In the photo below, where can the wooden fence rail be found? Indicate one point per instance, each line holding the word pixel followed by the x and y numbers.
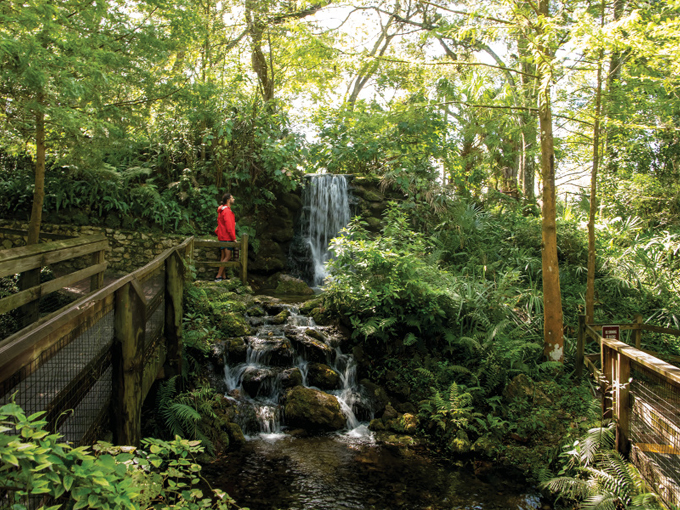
pixel 241 263
pixel 29 260
pixel 125 333
pixel 641 393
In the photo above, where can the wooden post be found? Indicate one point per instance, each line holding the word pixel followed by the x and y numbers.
pixel 580 344
pixel 637 330
pixel 97 280
pixel 128 362
pixel 606 384
pixel 174 294
pixel 622 403
pixel 30 312
pixel 243 259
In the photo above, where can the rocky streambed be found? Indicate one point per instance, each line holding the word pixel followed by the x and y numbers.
pixel 306 420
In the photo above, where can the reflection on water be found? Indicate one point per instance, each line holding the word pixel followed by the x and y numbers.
pixel 351 471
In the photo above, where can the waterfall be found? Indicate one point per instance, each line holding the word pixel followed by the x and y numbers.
pixel 325 213
pixel 259 374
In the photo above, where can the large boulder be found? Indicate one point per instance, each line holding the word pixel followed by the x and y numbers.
pixel 323 377
pixel 258 381
pixel 315 350
pixel 291 286
pixel 274 351
pixel 312 410
pixel 291 377
pixel 235 350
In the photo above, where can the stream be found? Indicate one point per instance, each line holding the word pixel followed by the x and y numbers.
pixel 283 467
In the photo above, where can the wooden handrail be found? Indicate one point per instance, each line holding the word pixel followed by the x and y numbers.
pixel 36 338
pixel 241 263
pixel 25 258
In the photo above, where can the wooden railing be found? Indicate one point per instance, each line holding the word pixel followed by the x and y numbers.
pixel 100 355
pixel 239 258
pixel 29 260
pixel 641 393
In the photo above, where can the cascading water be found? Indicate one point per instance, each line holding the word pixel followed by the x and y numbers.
pixel 260 375
pixel 326 211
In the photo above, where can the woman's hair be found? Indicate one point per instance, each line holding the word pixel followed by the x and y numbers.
pixel 225 198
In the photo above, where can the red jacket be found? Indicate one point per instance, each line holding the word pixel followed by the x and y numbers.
pixel 226 224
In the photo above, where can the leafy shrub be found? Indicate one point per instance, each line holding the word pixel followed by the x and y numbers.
pixel 37 468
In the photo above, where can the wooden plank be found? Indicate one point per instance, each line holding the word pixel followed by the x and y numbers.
pixel 216 244
pixel 623 403
pixel 18 260
pixel 217 264
pixel 659 329
pixel 97 280
pixel 174 306
pixel 42 248
pixel 637 334
pixel 606 384
pixel 660 367
pixel 23 350
pixel 14 266
pixel 128 364
pixel 666 449
pixel 26 296
pixel 244 259
pixel 622 327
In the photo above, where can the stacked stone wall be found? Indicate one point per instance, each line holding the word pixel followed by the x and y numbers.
pixel 128 250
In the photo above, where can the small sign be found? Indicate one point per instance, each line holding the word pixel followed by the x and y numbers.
pixel 611 332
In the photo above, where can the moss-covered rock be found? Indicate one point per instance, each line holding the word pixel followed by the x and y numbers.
pixel 291 377
pixel 233 324
pixel 312 410
pixel 460 443
pixel 279 318
pixel 291 286
pixel 310 304
pixel 323 377
pixel 235 349
pixel 256 311
pixel 235 434
pixel 315 350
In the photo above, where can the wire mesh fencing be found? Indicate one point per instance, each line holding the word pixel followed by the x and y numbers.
pixel 70 381
pixel 655 430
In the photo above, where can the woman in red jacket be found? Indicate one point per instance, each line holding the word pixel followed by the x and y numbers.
pixel 226 231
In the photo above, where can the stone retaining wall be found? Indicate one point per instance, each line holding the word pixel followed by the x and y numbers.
pixel 128 250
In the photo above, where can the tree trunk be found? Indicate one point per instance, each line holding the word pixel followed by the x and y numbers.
pixel 590 281
pixel 39 189
pixel 552 299
pixel 30 311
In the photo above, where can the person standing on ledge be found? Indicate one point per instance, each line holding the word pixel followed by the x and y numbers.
pixel 226 231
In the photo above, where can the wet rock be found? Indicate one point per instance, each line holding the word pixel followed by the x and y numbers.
pixel 408 407
pixel 233 324
pixel 235 350
pixel 291 286
pixel 376 425
pixel 273 307
pixel 279 318
pixel 256 311
pixel 376 396
pixel 274 351
pixel 315 350
pixel 312 410
pixel 316 334
pixel 258 381
pixel 390 413
pixel 309 305
pixel 323 377
pixel 291 377
pixel 235 433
